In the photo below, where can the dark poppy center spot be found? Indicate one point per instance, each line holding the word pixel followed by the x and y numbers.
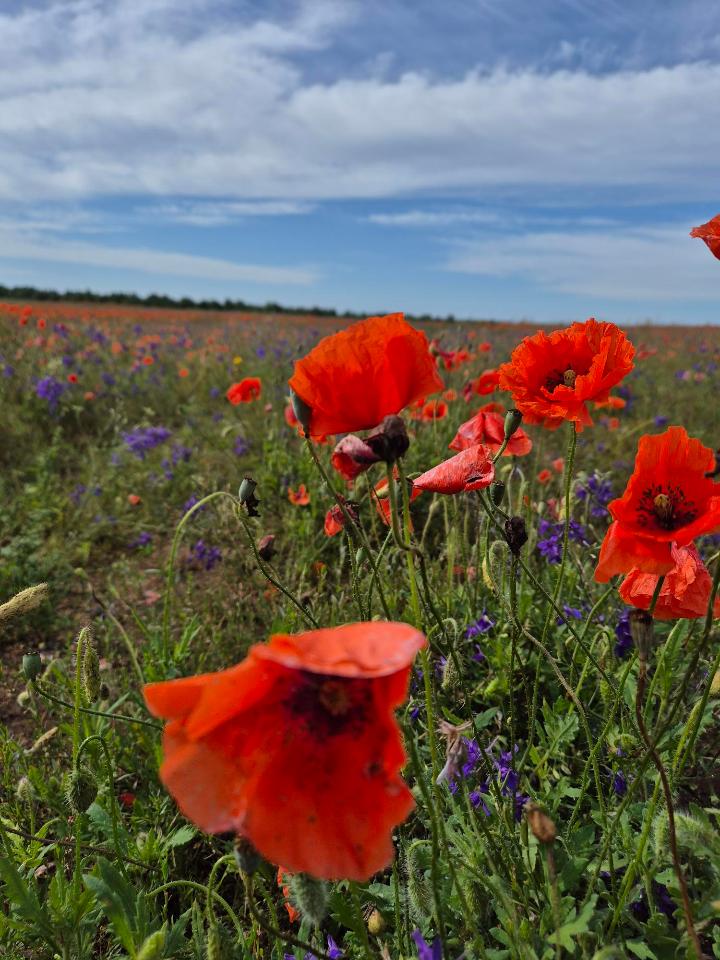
pixel 665 507
pixel 561 378
pixel 328 706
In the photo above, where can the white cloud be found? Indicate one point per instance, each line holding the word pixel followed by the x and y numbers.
pixel 156 262
pixel 211 213
pixel 432 218
pixel 152 97
pixel 647 264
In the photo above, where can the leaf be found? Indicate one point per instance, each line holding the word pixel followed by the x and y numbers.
pixel 181 836
pixel 641 949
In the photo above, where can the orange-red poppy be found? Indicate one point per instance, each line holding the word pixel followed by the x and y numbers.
pixel 472 469
pixel 710 233
pixel 297 747
pixel 282 882
pixel 434 410
pixel 488 427
pixel 487 382
pixel 245 391
pixel 300 497
pixel 558 464
pixel 685 592
pixel 183 372
pixel 353 379
pixel 552 378
pixel 668 499
pixel 544 476
pixel 134 500
pixel 148 360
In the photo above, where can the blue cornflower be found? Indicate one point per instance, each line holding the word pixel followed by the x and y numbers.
pixel 624 642
pixel 427 951
pixel 143 439
pixel 50 389
pixel 482 625
pixel 550 547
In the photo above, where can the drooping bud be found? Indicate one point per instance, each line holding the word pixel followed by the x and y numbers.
pixel 31 665
pixel 497 492
pixel 513 419
pixel 353 456
pixel 375 923
pixel 543 828
pixel 24 601
pixel 89 666
pixel 641 630
pixel 266 547
pixel 302 411
pixel 80 789
pixel 515 534
pixel 310 896
pixel 391 441
pixel 246 856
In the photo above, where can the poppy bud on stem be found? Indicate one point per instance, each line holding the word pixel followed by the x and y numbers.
pixel 515 534
pixel 302 411
pixel 513 419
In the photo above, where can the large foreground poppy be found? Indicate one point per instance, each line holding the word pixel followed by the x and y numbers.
pixel 710 233
pixel 488 427
pixel 297 747
pixel 472 469
pixel 552 378
pixel 685 592
pixel 353 379
pixel 668 499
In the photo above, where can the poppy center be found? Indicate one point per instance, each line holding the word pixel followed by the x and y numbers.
pixel 328 705
pixel 665 507
pixel 569 377
pixel 561 378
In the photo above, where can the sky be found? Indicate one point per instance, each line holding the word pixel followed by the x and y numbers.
pixel 490 159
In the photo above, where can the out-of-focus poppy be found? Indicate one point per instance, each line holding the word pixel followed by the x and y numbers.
pixel 300 497
pixel 668 499
pixel 488 427
pixel 552 378
pixel 72 378
pixel 282 881
pixel 487 382
pixel 245 391
pixel 148 360
pixel 450 395
pixel 434 410
pixel 710 233
pixel 183 372
pixel 353 379
pixel 558 465
pixel 685 592
pixel 335 518
pixel 297 748
pixel 472 469
pixel 134 500
pixel 544 477
pixel 484 347
pixel 382 500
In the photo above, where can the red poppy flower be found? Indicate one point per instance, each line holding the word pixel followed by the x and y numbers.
pixel 335 518
pixel 300 497
pixel 282 882
pixel 487 382
pixel 148 361
pixel 558 465
pixel 353 379
pixel 72 378
pixel 553 378
pixel 484 347
pixel 134 500
pixel 488 427
pixel 382 500
pixel 470 470
pixel 668 499
pixel 297 747
pixel 183 372
pixel 245 391
pixel 434 410
pixel 685 592
pixel 710 233
pixel 544 477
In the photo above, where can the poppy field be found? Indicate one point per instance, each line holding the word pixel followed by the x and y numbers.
pixel 385 639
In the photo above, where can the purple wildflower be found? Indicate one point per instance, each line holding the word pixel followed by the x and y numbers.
pixel 427 951
pixel 50 389
pixel 143 439
pixel 624 642
pixel 142 540
pixel 241 446
pixel 482 625
pixel 203 555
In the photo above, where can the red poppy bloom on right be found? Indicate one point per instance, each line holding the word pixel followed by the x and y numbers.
pixel 552 378
pixel 710 233
pixel 669 500
pixel 685 592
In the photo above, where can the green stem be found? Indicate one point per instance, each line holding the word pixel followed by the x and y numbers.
pixel 112 800
pixel 95 713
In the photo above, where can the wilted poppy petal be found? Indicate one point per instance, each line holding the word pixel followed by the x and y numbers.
pixel 472 469
pixel 685 592
pixel 710 233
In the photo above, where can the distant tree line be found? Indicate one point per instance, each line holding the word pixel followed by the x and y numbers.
pixel 183 303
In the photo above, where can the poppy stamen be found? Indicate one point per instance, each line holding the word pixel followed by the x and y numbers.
pixel 569 377
pixel 663 508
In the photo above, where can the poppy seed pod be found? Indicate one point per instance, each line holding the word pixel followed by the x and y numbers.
pixel 513 419
pixel 310 896
pixel 247 489
pixel 302 411
pixel 515 534
pixel 31 665
pixel 266 547
pixel 497 492
pixel 641 630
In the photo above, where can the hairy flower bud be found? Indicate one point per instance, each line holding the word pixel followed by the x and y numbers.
pixel 25 791
pixel 24 601
pixel 246 856
pixel 89 666
pixel 497 492
pixel 80 789
pixel 310 896
pixel 153 946
pixel 31 665
pixel 515 534
pixel 513 419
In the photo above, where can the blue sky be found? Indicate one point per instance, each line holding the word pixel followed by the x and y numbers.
pixel 489 158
